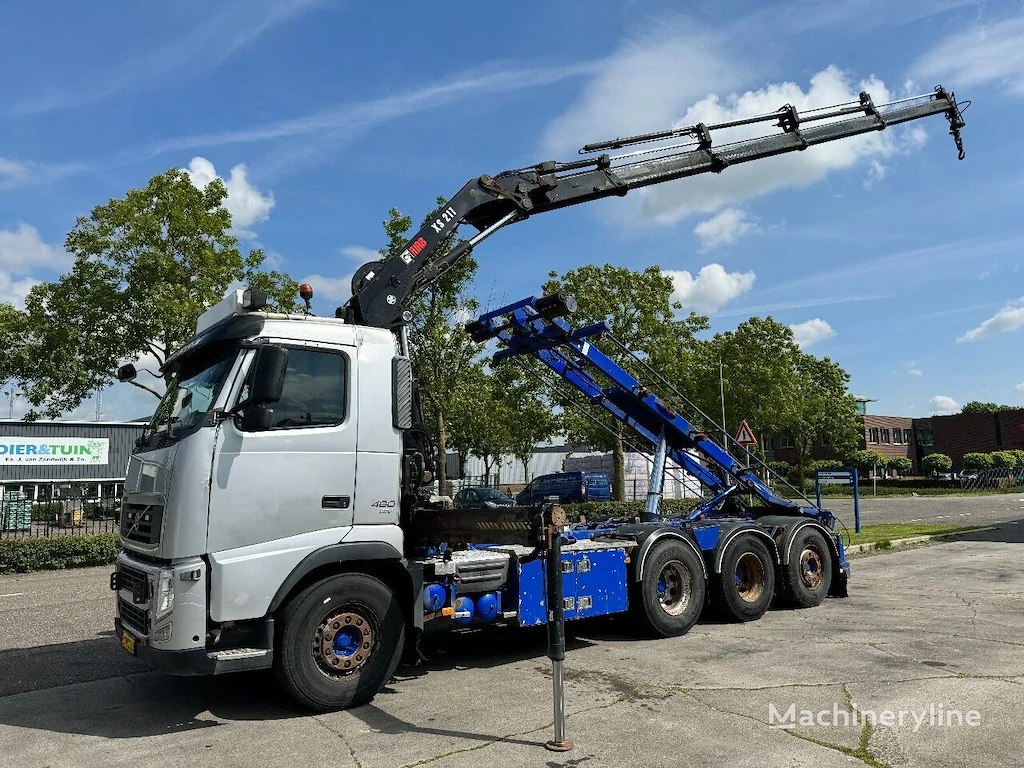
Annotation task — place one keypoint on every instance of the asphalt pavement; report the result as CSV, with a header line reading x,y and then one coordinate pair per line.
x,y
932,629
943,510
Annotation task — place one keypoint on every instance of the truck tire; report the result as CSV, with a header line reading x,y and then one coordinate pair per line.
x,y
807,577
744,588
341,643
669,597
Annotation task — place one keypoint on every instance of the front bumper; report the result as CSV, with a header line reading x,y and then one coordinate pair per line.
x,y
194,661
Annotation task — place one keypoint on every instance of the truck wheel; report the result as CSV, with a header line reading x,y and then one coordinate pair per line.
x,y
342,641
743,590
808,575
669,597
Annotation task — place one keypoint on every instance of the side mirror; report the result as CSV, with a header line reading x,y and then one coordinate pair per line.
x,y
126,373
268,377
257,418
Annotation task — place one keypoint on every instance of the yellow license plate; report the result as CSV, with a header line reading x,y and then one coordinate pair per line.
x,y
128,642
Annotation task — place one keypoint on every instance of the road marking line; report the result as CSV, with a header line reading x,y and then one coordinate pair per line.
x,y
14,594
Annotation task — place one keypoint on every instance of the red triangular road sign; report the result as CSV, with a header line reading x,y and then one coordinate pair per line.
x,y
745,435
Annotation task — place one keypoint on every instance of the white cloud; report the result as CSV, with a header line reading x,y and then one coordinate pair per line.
x,y
1009,318
712,288
639,88
984,53
724,228
913,369
333,288
22,251
943,405
246,204
707,193
361,253
1019,387
810,332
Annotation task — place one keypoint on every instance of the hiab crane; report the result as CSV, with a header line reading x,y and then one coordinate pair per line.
x,y
276,510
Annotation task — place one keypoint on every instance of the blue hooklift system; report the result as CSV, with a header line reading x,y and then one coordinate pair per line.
x,y
736,551
535,327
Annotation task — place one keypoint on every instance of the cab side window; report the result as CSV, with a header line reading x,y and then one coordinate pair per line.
x,y
315,390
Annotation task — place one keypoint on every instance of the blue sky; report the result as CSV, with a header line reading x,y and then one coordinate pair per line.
x,y
884,253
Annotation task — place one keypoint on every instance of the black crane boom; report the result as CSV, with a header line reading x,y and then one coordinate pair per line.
x,y
382,290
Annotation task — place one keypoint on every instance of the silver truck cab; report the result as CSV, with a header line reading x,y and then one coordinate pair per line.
x,y
220,520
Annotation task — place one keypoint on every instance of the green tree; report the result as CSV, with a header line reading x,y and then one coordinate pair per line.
x,y
935,463
145,267
866,461
13,327
528,417
901,465
978,461
641,313
442,352
975,406
1003,459
777,388
1018,457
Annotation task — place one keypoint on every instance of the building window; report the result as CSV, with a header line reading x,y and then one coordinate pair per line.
x,y
767,443
907,436
826,441
925,438
886,440
785,441
874,435
897,436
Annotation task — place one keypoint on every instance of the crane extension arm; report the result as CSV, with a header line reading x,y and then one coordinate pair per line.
x,y
382,290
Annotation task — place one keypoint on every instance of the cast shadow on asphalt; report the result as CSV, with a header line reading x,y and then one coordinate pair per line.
x,y
94,688
1011,532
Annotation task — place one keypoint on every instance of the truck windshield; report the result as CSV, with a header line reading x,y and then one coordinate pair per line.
x,y
191,393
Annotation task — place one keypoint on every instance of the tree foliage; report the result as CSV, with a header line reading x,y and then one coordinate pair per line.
x,y
777,388
935,463
866,460
901,465
978,461
641,313
145,267
442,352
976,406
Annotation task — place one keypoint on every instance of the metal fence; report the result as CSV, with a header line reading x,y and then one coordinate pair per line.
x,y
59,509
1010,478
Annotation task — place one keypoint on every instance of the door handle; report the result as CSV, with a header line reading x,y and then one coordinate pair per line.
x,y
335,502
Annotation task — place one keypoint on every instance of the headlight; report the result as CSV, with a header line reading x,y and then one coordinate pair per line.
x,y
164,594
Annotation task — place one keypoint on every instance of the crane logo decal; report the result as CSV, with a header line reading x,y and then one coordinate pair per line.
x,y
414,250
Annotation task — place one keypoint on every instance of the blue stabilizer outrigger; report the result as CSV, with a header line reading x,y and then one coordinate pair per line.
x,y
534,326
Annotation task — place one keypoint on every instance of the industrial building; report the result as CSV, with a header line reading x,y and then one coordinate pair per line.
x,y
47,460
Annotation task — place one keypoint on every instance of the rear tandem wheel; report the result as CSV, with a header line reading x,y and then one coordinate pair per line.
x,y
745,587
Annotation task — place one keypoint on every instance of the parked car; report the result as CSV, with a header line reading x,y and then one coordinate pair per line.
x,y
568,487
482,498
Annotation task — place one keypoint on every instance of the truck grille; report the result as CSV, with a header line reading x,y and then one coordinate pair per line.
x,y
134,618
141,522
134,581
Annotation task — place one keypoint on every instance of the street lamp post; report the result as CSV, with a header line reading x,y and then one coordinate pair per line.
x,y
721,393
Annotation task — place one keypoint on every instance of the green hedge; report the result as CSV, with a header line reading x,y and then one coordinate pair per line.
x,y
596,511
57,552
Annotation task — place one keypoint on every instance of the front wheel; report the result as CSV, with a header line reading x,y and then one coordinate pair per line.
x,y
669,597
341,643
